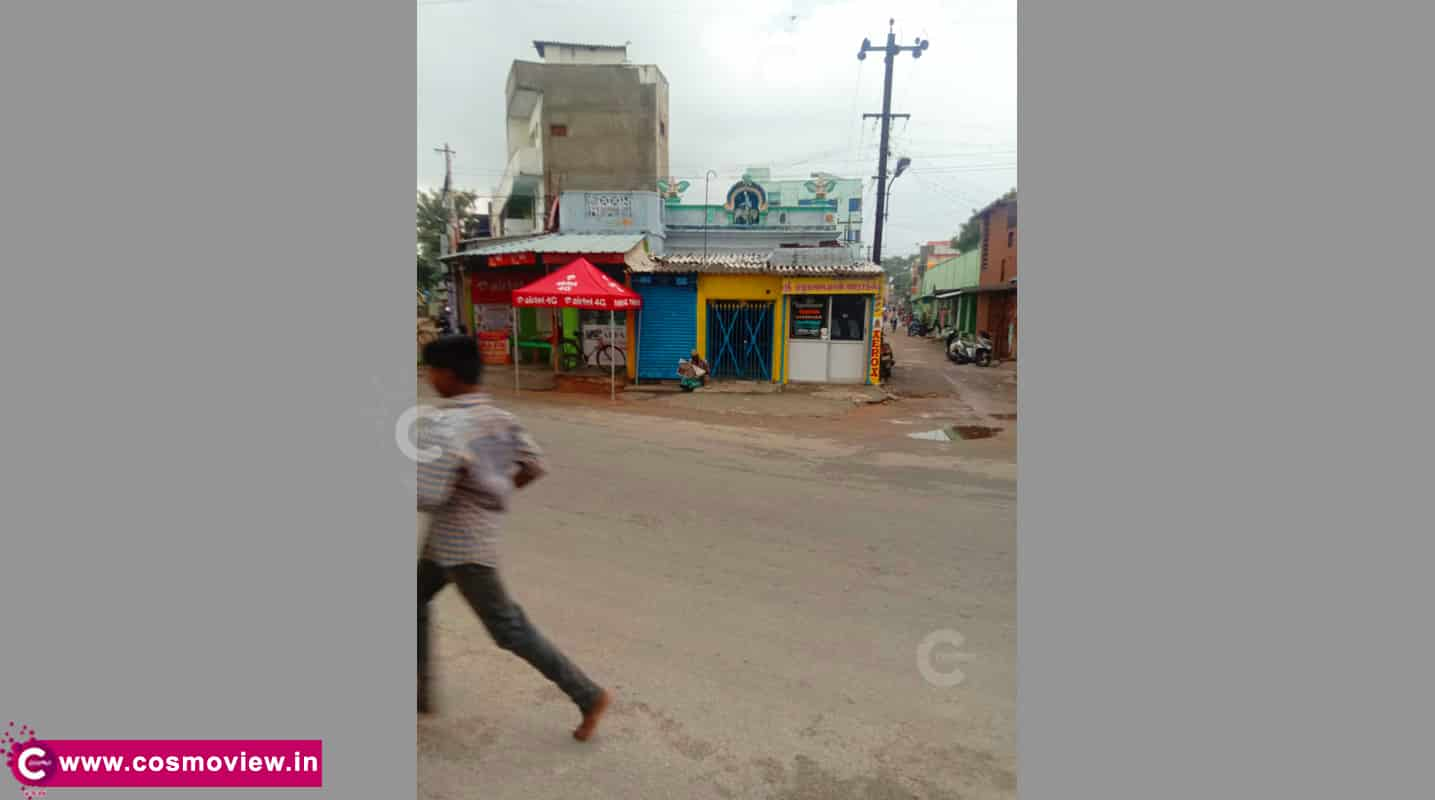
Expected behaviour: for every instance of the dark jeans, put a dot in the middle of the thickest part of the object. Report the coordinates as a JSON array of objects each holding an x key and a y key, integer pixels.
[{"x": 506, "y": 623}]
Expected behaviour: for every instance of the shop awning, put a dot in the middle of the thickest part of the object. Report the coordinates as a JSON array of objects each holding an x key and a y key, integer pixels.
[
  {"x": 989, "y": 289},
  {"x": 1009, "y": 286},
  {"x": 581, "y": 285},
  {"x": 555, "y": 243},
  {"x": 577, "y": 285}
]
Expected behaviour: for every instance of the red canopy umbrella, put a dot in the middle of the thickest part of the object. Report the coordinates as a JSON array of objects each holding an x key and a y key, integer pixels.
[{"x": 578, "y": 285}]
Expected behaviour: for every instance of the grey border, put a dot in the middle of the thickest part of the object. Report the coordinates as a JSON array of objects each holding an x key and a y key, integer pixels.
[
  {"x": 207, "y": 324},
  {"x": 1222, "y": 586}
]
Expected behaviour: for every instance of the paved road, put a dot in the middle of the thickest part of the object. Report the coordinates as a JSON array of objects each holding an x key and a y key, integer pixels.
[{"x": 756, "y": 600}]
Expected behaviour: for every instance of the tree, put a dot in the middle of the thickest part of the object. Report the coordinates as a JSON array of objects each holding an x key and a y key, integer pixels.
[
  {"x": 970, "y": 236},
  {"x": 432, "y": 226},
  {"x": 899, "y": 270}
]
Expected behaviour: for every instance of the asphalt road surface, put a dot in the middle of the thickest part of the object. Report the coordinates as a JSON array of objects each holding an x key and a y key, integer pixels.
[{"x": 756, "y": 599}]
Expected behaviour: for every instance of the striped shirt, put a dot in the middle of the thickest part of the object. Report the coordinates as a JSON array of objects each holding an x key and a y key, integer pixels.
[{"x": 467, "y": 488}]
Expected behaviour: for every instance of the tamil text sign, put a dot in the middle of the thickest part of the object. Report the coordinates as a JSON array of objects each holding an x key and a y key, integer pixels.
[{"x": 831, "y": 285}]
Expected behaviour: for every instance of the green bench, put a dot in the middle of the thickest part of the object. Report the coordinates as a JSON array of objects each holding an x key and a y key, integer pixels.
[{"x": 543, "y": 346}]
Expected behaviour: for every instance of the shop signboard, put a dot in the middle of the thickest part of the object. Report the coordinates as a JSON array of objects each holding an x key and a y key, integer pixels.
[
  {"x": 831, "y": 285},
  {"x": 493, "y": 317},
  {"x": 497, "y": 289},
  {"x": 510, "y": 259},
  {"x": 809, "y": 315},
  {"x": 874, "y": 368}
]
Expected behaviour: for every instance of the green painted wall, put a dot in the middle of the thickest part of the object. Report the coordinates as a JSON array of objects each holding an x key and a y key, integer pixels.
[
  {"x": 570, "y": 323},
  {"x": 954, "y": 273}
]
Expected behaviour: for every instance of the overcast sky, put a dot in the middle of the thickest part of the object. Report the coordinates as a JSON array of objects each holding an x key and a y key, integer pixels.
[{"x": 762, "y": 83}]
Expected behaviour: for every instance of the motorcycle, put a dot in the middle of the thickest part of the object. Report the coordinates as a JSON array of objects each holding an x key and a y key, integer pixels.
[
  {"x": 917, "y": 327},
  {"x": 957, "y": 347},
  {"x": 963, "y": 348},
  {"x": 982, "y": 352}
]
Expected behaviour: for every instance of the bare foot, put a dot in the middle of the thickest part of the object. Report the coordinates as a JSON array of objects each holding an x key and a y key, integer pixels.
[{"x": 591, "y": 717}]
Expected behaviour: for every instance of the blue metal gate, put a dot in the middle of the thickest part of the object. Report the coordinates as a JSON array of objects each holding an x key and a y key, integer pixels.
[
  {"x": 740, "y": 339},
  {"x": 667, "y": 323}
]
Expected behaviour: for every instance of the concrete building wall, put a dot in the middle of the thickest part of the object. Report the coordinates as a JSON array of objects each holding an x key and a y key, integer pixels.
[
  {"x": 999, "y": 244},
  {"x": 645, "y": 213},
  {"x": 996, "y": 313},
  {"x": 602, "y": 125},
  {"x": 563, "y": 53}
]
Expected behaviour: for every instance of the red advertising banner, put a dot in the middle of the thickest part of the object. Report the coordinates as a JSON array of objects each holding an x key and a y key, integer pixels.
[
  {"x": 496, "y": 289},
  {"x": 510, "y": 259}
]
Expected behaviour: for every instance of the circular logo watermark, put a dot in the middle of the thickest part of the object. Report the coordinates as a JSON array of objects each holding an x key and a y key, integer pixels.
[
  {"x": 34, "y": 763},
  {"x": 407, "y": 444},
  {"x": 939, "y": 668}
]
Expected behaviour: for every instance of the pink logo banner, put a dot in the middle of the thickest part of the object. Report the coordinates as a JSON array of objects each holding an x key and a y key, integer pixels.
[{"x": 167, "y": 763}]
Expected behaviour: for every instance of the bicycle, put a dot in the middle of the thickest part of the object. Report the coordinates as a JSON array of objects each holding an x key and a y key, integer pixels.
[{"x": 604, "y": 354}]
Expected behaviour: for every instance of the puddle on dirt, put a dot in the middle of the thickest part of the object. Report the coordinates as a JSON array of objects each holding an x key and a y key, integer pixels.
[{"x": 963, "y": 432}]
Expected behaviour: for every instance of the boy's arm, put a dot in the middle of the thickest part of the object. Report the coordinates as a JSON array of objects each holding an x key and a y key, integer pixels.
[
  {"x": 437, "y": 478},
  {"x": 528, "y": 458}
]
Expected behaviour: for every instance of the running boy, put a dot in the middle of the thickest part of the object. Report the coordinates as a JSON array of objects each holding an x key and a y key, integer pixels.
[{"x": 484, "y": 455}]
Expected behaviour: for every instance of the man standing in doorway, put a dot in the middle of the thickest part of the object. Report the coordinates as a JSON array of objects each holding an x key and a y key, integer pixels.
[{"x": 483, "y": 456}]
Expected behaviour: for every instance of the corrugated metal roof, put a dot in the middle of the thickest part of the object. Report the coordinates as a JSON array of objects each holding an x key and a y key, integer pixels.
[
  {"x": 783, "y": 261},
  {"x": 557, "y": 243},
  {"x": 811, "y": 257},
  {"x": 1009, "y": 286}
]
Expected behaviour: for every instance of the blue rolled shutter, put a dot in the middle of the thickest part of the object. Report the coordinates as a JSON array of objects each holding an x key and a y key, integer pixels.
[{"x": 669, "y": 323}]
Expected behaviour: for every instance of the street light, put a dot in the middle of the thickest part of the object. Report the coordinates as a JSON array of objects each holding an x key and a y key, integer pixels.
[{"x": 902, "y": 164}]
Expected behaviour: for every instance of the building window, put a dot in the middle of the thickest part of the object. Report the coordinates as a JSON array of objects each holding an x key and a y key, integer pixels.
[
  {"x": 849, "y": 315},
  {"x": 1010, "y": 238},
  {"x": 557, "y": 130},
  {"x": 809, "y": 317},
  {"x": 854, "y": 204}
]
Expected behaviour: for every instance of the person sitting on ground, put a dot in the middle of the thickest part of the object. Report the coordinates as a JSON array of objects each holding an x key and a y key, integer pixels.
[{"x": 699, "y": 364}]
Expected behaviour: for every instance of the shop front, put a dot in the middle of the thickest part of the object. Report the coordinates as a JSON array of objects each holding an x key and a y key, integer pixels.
[
  {"x": 833, "y": 333},
  {"x": 573, "y": 339},
  {"x": 739, "y": 329}
]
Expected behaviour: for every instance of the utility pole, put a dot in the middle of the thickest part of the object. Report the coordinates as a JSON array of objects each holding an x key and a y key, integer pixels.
[
  {"x": 892, "y": 49},
  {"x": 446, "y": 198},
  {"x": 445, "y": 242}
]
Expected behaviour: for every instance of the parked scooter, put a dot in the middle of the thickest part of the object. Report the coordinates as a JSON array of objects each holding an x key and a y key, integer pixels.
[
  {"x": 982, "y": 353},
  {"x": 963, "y": 348},
  {"x": 958, "y": 344},
  {"x": 917, "y": 327}
]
